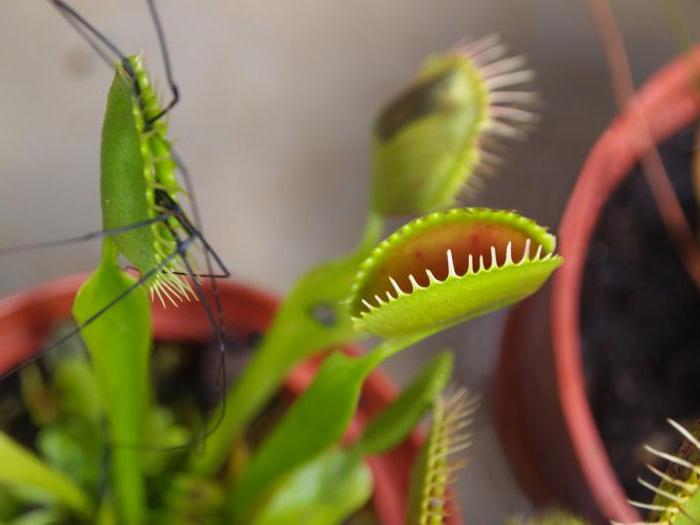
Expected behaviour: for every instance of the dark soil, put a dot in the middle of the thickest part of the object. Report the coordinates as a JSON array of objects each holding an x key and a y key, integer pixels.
[
  {"x": 187, "y": 379},
  {"x": 640, "y": 323}
]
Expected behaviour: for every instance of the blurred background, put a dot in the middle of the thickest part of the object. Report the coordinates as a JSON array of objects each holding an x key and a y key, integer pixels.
[{"x": 278, "y": 101}]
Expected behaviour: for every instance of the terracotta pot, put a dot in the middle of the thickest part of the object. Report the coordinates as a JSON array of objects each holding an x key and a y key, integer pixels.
[
  {"x": 27, "y": 319},
  {"x": 540, "y": 404}
]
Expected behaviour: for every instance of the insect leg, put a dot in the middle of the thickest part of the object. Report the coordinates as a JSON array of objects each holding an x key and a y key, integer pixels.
[
  {"x": 97, "y": 234},
  {"x": 142, "y": 279},
  {"x": 196, "y": 225},
  {"x": 90, "y": 33},
  {"x": 168, "y": 203},
  {"x": 167, "y": 64},
  {"x": 216, "y": 324}
]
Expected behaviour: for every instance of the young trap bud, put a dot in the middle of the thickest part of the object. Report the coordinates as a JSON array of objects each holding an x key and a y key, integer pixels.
[
  {"x": 448, "y": 267},
  {"x": 428, "y": 142},
  {"x": 135, "y": 162}
]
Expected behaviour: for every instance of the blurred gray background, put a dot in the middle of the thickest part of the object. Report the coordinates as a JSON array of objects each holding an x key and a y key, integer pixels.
[{"x": 278, "y": 100}]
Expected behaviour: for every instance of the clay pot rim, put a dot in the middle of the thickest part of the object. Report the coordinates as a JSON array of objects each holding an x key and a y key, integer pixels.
[{"x": 668, "y": 103}]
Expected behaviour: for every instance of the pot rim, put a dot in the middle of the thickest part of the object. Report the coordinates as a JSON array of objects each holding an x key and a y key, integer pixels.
[{"x": 667, "y": 102}]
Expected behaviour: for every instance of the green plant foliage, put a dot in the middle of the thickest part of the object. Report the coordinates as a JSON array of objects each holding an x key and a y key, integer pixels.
[
  {"x": 431, "y": 472},
  {"x": 192, "y": 499},
  {"x": 119, "y": 343},
  {"x": 450, "y": 267},
  {"x": 94, "y": 410},
  {"x": 322, "y": 492},
  {"x": 333, "y": 485},
  {"x": 676, "y": 494},
  {"x": 39, "y": 517},
  {"x": 312, "y": 424},
  {"x": 24, "y": 472},
  {"x": 395, "y": 422},
  {"x": 428, "y": 141},
  {"x": 311, "y": 319}
]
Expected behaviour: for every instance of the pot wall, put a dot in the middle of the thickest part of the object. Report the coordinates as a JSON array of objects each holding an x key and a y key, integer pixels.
[{"x": 541, "y": 408}]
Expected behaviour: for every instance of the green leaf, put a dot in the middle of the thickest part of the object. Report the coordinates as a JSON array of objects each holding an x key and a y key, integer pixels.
[
  {"x": 119, "y": 342},
  {"x": 23, "y": 471},
  {"x": 65, "y": 448},
  {"x": 395, "y": 422},
  {"x": 314, "y": 422},
  {"x": 77, "y": 388},
  {"x": 324, "y": 491}
]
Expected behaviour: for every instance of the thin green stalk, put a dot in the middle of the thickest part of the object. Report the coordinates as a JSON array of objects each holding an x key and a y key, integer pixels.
[{"x": 119, "y": 343}]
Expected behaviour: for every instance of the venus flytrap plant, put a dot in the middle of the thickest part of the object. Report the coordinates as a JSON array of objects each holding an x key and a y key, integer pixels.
[
  {"x": 337, "y": 482},
  {"x": 439, "y": 270},
  {"x": 427, "y": 144},
  {"x": 336, "y": 387}
]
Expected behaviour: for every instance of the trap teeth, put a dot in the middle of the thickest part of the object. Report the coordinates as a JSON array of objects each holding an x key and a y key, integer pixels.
[
  {"x": 509, "y": 249},
  {"x": 399, "y": 291},
  {"x": 526, "y": 252},
  {"x": 431, "y": 278},
  {"x": 452, "y": 266},
  {"x": 494, "y": 259},
  {"x": 470, "y": 267},
  {"x": 414, "y": 284}
]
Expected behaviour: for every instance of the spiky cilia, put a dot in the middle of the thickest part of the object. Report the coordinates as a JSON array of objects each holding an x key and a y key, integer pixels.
[
  {"x": 676, "y": 491},
  {"x": 434, "y": 469}
]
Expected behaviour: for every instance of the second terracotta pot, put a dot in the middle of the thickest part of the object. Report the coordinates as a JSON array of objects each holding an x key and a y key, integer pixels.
[{"x": 542, "y": 412}]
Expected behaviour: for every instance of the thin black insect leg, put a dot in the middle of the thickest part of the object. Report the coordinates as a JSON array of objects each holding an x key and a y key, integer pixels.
[
  {"x": 216, "y": 324},
  {"x": 168, "y": 203},
  {"x": 224, "y": 271},
  {"x": 193, "y": 228},
  {"x": 97, "y": 234},
  {"x": 89, "y": 32},
  {"x": 144, "y": 277},
  {"x": 181, "y": 251},
  {"x": 167, "y": 64},
  {"x": 92, "y": 36}
]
